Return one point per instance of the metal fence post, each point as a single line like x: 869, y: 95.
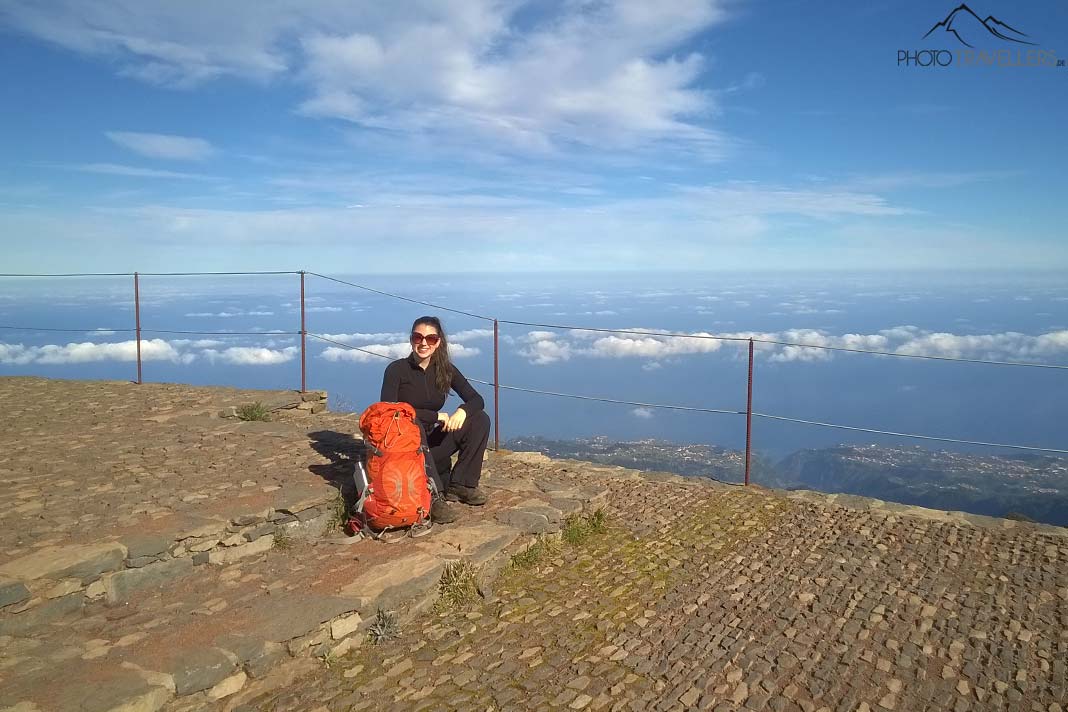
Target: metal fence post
x: 749, y: 417
x: 303, y: 339
x: 137, y: 323
x: 496, y: 388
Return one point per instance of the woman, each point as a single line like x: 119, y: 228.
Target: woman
x: 423, y: 381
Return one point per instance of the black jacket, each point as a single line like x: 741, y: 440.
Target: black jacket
x: 405, y: 382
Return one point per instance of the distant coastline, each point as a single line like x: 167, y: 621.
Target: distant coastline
x: 1035, y: 486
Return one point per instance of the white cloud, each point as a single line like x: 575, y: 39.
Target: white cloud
x: 87, y: 352
x: 390, y: 351
x: 606, y: 74
x: 228, y: 314
x: 197, y: 343
x: 252, y: 355
x: 180, y: 148
x: 357, y: 338
x: 468, y: 334
x: 180, y: 351
x: 541, y: 347
x: 544, y: 347
x: 384, y: 351
x: 642, y: 412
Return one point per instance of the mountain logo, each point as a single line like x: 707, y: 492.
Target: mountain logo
x: 964, y: 24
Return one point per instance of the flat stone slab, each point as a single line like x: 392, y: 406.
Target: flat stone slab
x: 407, y: 576
x: 511, y: 485
x: 289, y: 617
x: 138, y: 545
x: 299, y: 497
x: 126, y: 691
x: 121, y: 585
x: 12, y: 591
x: 532, y: 516
x: 270, y: 430
x: 233, y: 553
x: 41, y: 614
x: 530, y: 521
x: 200, y: 668
x: 192, y: 526
x: 478, y: 543
x: 83, y: 561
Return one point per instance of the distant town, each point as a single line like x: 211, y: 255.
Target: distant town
x: 1026, y: 486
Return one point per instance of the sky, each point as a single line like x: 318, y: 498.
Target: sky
x: 508, y: 136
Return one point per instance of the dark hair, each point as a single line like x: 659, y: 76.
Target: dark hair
x: 440, y: 366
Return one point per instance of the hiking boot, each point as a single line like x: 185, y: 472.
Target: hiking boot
x: 472, y: 496
x: 442, y: 513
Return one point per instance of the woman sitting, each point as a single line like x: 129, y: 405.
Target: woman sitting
x: 423, y: 381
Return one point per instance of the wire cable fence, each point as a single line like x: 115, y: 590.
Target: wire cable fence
x: 750, y: 340
x: 143, y: 274
x: 721, y: 411
x: 89, y: 330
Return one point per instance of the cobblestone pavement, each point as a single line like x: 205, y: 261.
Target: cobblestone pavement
x: 722, y: 598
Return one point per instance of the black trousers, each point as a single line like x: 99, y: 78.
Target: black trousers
x: 469, y: 441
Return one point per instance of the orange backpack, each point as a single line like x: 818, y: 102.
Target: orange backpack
x: 399, y: 489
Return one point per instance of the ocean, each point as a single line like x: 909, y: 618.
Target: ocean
x: 252, y: 320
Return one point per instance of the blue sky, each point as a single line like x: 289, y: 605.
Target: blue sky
x: 517, y: 136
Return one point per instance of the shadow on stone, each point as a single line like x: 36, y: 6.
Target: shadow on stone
x: 342, y: 449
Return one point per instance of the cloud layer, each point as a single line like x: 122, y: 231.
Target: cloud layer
x: 86, y: 352
x: 549, y: 347
x: 393, y: 345
x: 546, y: 347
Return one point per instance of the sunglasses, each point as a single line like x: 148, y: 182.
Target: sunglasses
x: 430, y: 339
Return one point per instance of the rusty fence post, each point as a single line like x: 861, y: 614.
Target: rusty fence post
x: 496, y: 388
x: 303, y: 339
x: 749, y: 417
x: 137, y: 323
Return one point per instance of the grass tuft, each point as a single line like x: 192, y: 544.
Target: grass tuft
x: 598, y: 521
x: 282, y: 541
x: 253, y: 411
x: 578, y: 527
x: 533, y: 554
x: 340, y: 513
x: 458, y: 585
x: 384, y: 627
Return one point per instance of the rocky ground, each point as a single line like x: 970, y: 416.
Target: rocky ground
x: 195, y: 568
x: 726, y: 599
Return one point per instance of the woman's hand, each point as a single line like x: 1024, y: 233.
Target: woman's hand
x: 443, y: 418
x: 456, y: 420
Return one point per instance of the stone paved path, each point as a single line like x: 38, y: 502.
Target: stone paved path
x: 78, y: 454
x: 138, y: 571
x: 155, y: 552
x: 720, y: 598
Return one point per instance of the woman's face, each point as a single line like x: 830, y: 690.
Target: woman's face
x: 425, y: 341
